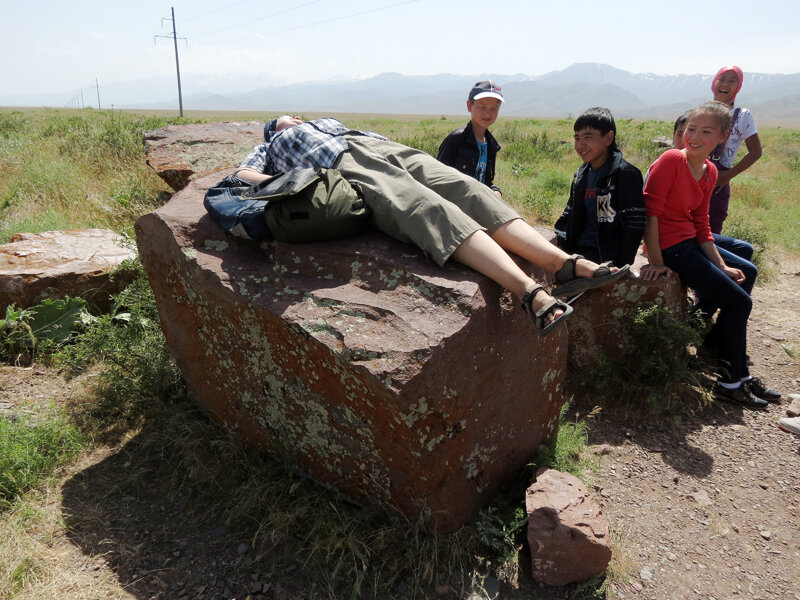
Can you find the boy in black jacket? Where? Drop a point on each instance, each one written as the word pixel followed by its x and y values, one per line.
pixel 472 149
pixel 605 215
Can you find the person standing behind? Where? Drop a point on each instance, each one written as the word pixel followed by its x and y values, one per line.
pixel 678 239
pixel 472 149
pixel 605 215
pixel 726 84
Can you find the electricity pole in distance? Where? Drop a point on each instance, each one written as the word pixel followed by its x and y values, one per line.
pixel 174 37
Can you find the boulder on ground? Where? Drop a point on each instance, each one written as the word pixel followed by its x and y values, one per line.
pixel 54 264
pixel 597 325
pixel 181 153
pixel 360 361
pixel 568 535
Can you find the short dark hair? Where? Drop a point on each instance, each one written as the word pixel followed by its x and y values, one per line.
pixel 598 118
pixel 681 121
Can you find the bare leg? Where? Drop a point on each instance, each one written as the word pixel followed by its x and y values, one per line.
pixel 523 240
pixel 482 253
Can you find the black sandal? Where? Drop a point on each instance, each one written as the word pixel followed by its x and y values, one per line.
pixel 541 315
pixel 572 284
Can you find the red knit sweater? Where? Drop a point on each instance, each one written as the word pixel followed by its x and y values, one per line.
pixel 679 201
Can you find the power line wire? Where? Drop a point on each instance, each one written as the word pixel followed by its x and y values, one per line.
pixel 205 14
pixel 358 14
pixel 249 22
pixel 306 25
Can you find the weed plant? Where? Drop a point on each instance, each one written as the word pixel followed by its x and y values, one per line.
pixel 659 373
pixel 137 369
pixel 40 330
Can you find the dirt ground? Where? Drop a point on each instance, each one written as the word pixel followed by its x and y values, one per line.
pixel 704 507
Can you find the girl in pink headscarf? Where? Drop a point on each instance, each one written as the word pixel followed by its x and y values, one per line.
pixel 726 84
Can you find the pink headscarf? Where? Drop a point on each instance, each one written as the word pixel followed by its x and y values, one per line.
pixel 739 77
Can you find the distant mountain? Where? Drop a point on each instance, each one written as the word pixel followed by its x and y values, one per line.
pixel 561 93
pixel 557 94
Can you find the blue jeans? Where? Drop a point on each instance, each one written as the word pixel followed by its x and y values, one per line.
pixel 736 253
pixel 739 247
pixel 699 273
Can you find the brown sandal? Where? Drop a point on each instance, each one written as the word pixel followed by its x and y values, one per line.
pixel 541 315
pixel 572 284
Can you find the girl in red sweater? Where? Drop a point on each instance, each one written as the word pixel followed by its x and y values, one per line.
pixel 679 239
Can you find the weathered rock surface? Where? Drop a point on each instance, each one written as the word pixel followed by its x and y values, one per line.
pixel 181 153
pixel 597 325
pixel 360 361
pixel 568 535
pixel 54 264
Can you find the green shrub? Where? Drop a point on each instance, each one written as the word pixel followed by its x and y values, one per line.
pixel 137 368
pixel 657 373
pixel 12 124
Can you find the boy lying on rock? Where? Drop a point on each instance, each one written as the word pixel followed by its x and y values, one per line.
pixel 415 198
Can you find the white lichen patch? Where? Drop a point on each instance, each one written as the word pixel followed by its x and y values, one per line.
pixel 218 245
pixel 549 377
pixel 474 463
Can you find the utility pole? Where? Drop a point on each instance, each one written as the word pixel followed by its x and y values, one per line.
pixel 174 37
pixel 97 85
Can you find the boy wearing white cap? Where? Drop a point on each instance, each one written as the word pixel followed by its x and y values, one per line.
pixel 472 149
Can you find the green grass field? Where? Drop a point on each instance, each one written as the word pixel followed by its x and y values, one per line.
pixel 81 168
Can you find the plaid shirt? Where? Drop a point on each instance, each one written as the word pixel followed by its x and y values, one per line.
pixel 316 144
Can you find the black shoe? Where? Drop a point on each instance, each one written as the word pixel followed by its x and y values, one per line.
pixel 740 395
pixel 756 387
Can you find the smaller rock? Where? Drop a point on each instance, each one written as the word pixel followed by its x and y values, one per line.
pixel 54 264
pixel 568 535
pixel 601 449
pixel 766 534
pixel 646 574
pixel 794 408
pixel 702 498
pixel 662 141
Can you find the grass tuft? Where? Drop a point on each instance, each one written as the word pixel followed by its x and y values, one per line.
pixel 30 450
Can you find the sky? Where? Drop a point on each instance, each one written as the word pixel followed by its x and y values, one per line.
pixel 65 49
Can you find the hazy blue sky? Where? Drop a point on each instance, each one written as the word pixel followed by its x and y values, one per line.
pixel 62 47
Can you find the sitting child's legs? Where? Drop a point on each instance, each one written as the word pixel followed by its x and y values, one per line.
pixel 706 304
pixel 740 248
pixel 698 273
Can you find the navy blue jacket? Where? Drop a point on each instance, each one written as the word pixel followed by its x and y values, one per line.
pixel 460 151
pixel 621 213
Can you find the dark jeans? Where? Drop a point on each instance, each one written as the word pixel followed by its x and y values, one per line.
pixel 731 250
pixel 738 247
pixel 699 273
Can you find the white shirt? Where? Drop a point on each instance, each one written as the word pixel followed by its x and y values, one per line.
pixel 743 128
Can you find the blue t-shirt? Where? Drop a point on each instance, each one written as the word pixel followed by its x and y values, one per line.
pixel 483 157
